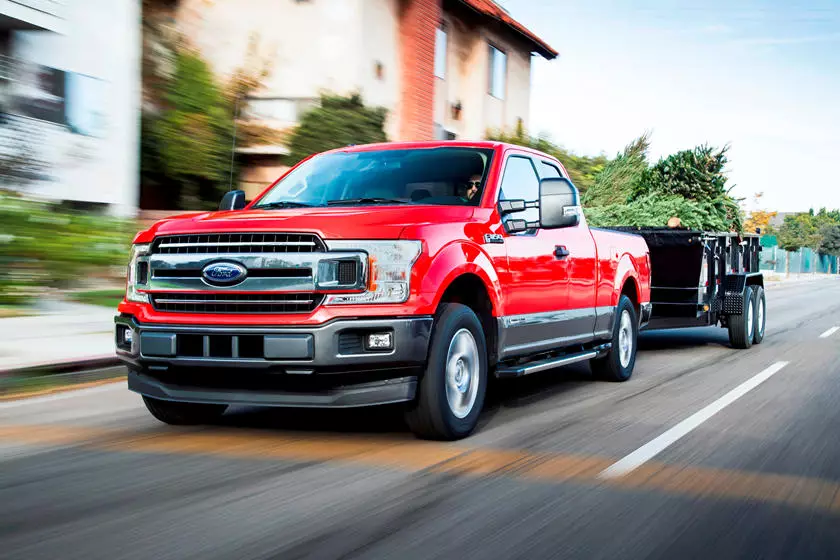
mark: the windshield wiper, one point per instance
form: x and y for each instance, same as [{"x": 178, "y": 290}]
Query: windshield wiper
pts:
[
  {"x": 371, "y": 200},
  {"x": 285, "y": 204}
]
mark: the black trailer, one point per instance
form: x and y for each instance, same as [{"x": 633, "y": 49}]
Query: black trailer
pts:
[{"x": 703, "y": 278}]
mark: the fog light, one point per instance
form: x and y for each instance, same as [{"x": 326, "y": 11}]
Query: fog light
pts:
[
  {"x": 379, "y": 341},
  {"x": 127, "y": 336}
]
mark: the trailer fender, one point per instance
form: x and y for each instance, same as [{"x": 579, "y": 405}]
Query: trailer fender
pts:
[{"x": 734, "y": 286}]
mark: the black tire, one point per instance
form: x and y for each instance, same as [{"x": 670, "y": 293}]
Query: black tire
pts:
[
  {"x": 741, "y": 325},
  {"x": 431, "y": 416},
  {"x": 610, "y": 368},
  {"x": 760, "y": 315},
  {"x": 184, "y": 413}
]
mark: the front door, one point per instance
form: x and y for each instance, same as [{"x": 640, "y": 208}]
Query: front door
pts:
[{"x": 537, "y": 292}]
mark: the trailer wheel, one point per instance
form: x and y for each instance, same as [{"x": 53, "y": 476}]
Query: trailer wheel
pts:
[
  {"x": 451, "y": 392},
  {"x": 742, "y": 326},
  {"x": 183, "y": 413},
  {"x": 618, "y": 364},
  {"x": 760, "y": 315}
]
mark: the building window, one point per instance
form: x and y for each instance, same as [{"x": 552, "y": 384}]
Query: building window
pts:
[
  {"x": 498, "y": 72},
  {"x": 440, "y": 54}
]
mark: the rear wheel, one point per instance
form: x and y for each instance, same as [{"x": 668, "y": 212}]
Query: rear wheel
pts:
[
  {"x": 183, "y": 413},
  {"x": 760, "y": 315},
  {"x": 618, "y": 364},
  {"x": 451, "y": 391},
  {"x": 742, "y": 326}
]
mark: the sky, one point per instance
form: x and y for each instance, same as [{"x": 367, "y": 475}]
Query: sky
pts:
[{"x": 761, "y": 77}]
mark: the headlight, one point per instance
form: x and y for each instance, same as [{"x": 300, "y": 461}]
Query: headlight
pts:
[
  {"x": 389, "y": 270},
  {"x": 138, "y": 273}
]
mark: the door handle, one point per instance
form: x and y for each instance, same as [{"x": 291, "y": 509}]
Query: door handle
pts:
[{"x": 561, "y": 252}]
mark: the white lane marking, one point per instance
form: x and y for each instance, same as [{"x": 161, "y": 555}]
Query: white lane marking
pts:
[
  {"x": 657, "y": 445},
  {"x": 65, "y": 395},
  {"x": 829, "y": 332}
]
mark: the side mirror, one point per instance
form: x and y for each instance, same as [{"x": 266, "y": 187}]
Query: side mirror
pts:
[
  {"x": 510, "y": 206},
  {"x": 233, "y": 200},
  {"x": 559, "y": 206}
]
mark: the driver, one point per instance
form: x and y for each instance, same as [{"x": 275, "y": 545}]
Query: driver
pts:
[{"x": 471, "y": 186}]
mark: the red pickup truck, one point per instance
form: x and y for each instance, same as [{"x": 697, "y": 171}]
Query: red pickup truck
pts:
[{"x": 391, "y": 273}]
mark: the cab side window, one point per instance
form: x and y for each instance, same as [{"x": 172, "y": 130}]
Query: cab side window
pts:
[{"x": 520, "y": 182}]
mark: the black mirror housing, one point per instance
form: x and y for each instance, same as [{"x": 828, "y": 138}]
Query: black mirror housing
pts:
[
  {"x": 559, "y": 205},
  {"x": 233, "y": 200}
]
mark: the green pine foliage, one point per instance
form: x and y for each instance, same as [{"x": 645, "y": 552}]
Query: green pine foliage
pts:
[
  {"x": 339, "y": 121},
  {"x": 654, "y": 210},
  {"x": 689, "y": 185},
  {"x": 620, "y": 178}
]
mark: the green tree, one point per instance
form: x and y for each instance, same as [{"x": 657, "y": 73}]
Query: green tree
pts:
[
  {"x": 582, "y": 169},
  {"x": 191, "y": 138},
  {"x": 796, "y": 232},
  {"x": 830, "y": 242},
  {"x": 339, "y": 121}
]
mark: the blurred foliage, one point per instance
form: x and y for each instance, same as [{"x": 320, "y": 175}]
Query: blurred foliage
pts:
[
  {"x": 189, "y": 143},
  {"x": 190, "y": 115},
  {"x": 44, "y": 245},
  {"x": 582, "y": 169},
  {"x": 105, "y": 298},
  {"x": 620, "y": 177},
  {"x": 339, "y": 121}
]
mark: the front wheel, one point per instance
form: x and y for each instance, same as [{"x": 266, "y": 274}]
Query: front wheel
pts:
[
  {"x": 619, "y": 362},
  {"x": 183, "y": 413},
  {"x": 451, "y": 391}
]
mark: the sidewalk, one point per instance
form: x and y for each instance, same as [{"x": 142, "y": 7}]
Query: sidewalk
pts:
[
  {"x": 772, "y": 279},
  {"x": 60, "y": 333}
]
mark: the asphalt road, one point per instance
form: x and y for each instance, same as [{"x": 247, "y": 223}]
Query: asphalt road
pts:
[{"x": 720, "y": 453}]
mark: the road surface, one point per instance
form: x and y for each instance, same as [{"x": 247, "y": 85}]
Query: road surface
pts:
[{"x": 708, "y": 452}]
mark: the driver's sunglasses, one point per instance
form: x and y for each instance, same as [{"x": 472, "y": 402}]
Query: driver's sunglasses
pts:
[{"x": 475, "y": 184}]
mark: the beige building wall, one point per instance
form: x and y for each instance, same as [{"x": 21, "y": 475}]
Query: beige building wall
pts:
[
  {"x": 467, "y": 82},
  {"x": 308, "y": 44}
]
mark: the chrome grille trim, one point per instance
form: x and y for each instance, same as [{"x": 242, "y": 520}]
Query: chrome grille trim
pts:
[{"x": 227, "y": 243}]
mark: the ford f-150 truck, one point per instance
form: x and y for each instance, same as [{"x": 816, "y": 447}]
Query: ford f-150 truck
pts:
[{"x": 390, "y": 273}]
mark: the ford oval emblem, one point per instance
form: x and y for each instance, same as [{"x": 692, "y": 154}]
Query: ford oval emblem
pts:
[{"x": 224, "y": 273}]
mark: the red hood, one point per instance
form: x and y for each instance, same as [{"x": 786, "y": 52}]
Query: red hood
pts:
[{"x": 381, "y": 222}]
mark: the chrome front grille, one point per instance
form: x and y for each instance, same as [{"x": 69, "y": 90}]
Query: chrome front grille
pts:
[
  {"x": 238, "y": 243},
  {"x": 176, "y": 302}
]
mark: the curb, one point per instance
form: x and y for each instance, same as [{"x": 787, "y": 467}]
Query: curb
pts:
[{"x": 65, "y": 366}]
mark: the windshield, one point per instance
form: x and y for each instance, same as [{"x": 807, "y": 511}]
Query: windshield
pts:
[{"x": 451, "y": 176}]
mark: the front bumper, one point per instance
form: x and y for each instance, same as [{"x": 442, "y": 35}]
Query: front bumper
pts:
[
  {"x": 326, "y": 365},
  {"x": 341, "y": 396}
]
